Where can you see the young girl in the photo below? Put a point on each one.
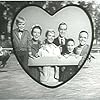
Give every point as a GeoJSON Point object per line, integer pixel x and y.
{"type": "Point", "coordinates": [49, 49]}
{"type": "Point", "coordinates": [69, 71]}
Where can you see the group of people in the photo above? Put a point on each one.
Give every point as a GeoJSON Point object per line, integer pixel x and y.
{"type": "Point", "coordinates": [28, 45]}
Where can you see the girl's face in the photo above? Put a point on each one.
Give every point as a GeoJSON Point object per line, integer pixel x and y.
{"type": "Point", "coordinates": [50, 37]}
{"type": "Point", "coordinates": [36, 33]}
{"type": "Point", "coordinates": [70, 46]}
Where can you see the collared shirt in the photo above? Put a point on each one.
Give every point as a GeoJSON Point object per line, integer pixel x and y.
{"type": "Point", "coordinates": [22, 44]}
{"type": "Point", "coordinates": [62, 41]}
{"type": "Point", "coordinates": [20, 34]}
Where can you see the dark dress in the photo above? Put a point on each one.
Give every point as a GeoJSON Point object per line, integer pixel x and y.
{"type": "Point", "coordinates": [69, 71]}
{"type": "Point", "coordinates": [82, 51]}
{"type": "Point", "coordinates": [34, 70]}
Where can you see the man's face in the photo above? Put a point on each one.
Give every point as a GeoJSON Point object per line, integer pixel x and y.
{"type": "Point", "coordinates": [36, 33]}
{"type": "Point", "coordinates": [83, 38]}
{"type": "Point", "coordinates": [62, 30]}
{"type": "Point", "coordinates": [70, 46]}
{"type": "Point", "coordinates": [21, 25]}
{"type": "Point", "coordinates": [50, 37]}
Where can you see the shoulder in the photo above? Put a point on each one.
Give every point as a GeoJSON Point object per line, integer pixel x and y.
{"type": "Point", "coordinates": [56, 39]}
{"type": "Point", "coordinates": [86, 48]}
{"type": "Point", "coordinates": [15, 30]}
{"type": "Point", "coordinates": [26, 31]}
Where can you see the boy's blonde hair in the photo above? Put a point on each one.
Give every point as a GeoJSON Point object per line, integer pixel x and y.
{"type": "Point", "coordinates": [20, 20]}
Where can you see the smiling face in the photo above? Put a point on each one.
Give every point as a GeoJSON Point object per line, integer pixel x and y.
{"type": "Point", "coordinates": [20, 22]}
{"type": "Point", "coordinates": [21, 25]}
{"type": "Point", "coordinates": [62, 30]}
{"type": "Point", "coordinates": [70, 46]}
{"type": "Point", "coordinates": [36, 33]}
{"type": "Point", "coordinates": [83, 38]}
{"type": "Point", "coordinates": [50, 36]}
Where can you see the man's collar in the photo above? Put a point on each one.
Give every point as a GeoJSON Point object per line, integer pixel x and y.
{"type": "Point", "coordinates": [61, 38]}
{"type": "Point", "coordinates": [20, 31]}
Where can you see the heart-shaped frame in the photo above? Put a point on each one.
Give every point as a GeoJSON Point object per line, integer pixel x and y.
{"type": "Point", "coordinates": [91, 40]}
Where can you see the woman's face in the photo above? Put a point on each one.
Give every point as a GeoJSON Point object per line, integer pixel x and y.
{"type": "Point", "coordinates": [70, 46]}
{"type": "Point", "coordinates": [50, 37]}
{"type": "Point", "coordinates": [36, 33]}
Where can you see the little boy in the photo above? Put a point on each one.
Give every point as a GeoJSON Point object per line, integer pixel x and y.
{"type": "Point", "coordinates": [21, 41]}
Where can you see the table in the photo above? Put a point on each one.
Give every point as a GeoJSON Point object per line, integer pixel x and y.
{"type": "Point", "coordinates": [54, 61]}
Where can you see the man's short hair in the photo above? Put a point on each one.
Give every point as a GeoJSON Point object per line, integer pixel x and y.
{"type": "Point", "coordinates": [20, 20]}
{"type": "Point", "coordinates": [84, 32]}
{"type": "Point", "coordinates": [62, 24]}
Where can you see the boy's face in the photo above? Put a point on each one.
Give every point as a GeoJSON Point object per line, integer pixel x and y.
{"type": "Point", "coordinates": [83, 38]}
{"type": "Point", "coordinates": [36, 33]}
{"type": "Point", "coordinates": [21, 26]}
{"type": "Point", "coordinates": [70, 46]}
{"type": "Point", "coordinates": [50, 37]}
{"type": "Point", "coordinates": [62, 30]}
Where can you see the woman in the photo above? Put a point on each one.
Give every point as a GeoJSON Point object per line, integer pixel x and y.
{"type": "Point", "coordinates": [49, 49]}
{"type": "Point", "coordinates": [69, 71]}
{"type": "Point", "coordinates": [35, 46]}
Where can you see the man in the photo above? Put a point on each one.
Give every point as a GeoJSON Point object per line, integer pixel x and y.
{"type": "Point", "coordinates": [21, 41]}
{"type": "Point", "coordinates": [83, 48]}
{"type": "Point", "coordinates": [61, 41]}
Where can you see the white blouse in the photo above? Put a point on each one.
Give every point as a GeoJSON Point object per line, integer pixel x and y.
{"type": "Point", "coordinates": [49, 50]}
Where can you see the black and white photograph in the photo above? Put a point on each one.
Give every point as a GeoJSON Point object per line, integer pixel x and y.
{"type": "Point", "coordinates": [49, 50]}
